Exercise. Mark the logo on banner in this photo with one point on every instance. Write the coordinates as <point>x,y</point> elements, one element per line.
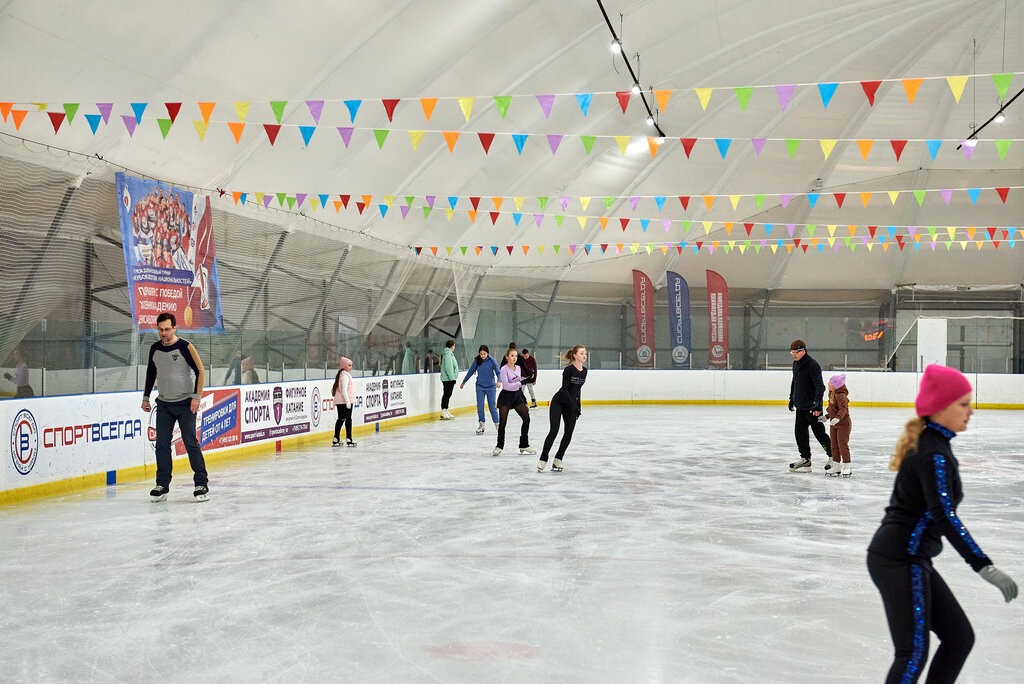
<point>24,441</point>
<point>384,392</point>
<point>717,351</point>
<point>680,354</point>
<point>278,404</point>
<point>315,406</point>
<point>644,354</point>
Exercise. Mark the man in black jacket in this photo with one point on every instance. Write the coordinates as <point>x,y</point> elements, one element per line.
<point>805,398</point>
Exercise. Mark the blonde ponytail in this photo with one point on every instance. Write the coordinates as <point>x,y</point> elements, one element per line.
<point>907,441</point>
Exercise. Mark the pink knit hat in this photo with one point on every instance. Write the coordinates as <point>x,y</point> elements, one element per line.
<point>837,380</point>
<point>940,387</point>
<point>344,362</point>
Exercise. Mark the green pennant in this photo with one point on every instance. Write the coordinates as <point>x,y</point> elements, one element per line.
<point>686,227</point>
<point>949,245</point>
<point>426,213</point>
<point>847,241</point>
<point>556,248</point>
<point>919,194</point>
<point>280,198</point>
<point>462,248</point>
<point>759,200</point>
<point>932,230</point>
<point>791,145</point>
<point>70,109</point>
<point>726,248</point>
<point>543,202</point>
<point>502,102</point>
<point>381,134</point>
<point>743,95</point>
<point>757,248</point>
<point>1002,82</point>
<point>409,199</point>
<point>810,229</point>
<point>1003,146</point>
<point>588,142</point>
<point>291,202</point>
<point>746,243</point>
<point>608,201</point>
<point>558,220</point>
<point>165,125</point>
<point>278,108</point>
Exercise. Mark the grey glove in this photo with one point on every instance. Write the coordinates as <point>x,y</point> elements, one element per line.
<point>823,418</point>
<point>1001,580</point>
<point>834,421</point>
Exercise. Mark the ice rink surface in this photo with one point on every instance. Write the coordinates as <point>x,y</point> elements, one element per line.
<point>675,547</point>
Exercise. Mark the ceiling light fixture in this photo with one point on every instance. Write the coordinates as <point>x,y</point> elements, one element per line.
<point>616,46</point>
<point>998,117</point>
<point>636,89</point>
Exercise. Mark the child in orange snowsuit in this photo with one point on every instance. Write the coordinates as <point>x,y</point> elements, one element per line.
<point>839,426</point>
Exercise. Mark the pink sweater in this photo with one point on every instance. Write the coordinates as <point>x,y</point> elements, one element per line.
<point>346,393</point>
<point>511,380</point>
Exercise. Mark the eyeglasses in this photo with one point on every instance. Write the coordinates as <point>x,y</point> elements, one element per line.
<point>797,351</point>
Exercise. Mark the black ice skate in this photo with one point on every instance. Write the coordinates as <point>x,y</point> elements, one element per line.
<point>802,465</point>
<point>201,493</point>
<point>158,493</point>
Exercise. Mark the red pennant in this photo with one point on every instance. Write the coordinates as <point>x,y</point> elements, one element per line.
<point>475,201</point>
<point>486,139</point>
<point>272,131</point>
<point>623,96</point>
<point>1003,192</point>
<point>840,196</point>
<point>899,239</point>
<point>685,201</point>
<point>172,109</point>
<point>796,241</point>
<point>991,233</point>
<point>870,88</point>
<point>418,250</point>
<point>897,147</point>
<point>56,118</point>
<point>624,222</point>
<point>360,206</point>
<point>688,144</point>
<point>872,229</point>
<point>494,217</point>
<point>389,107</point>
<point>344,200</point>
<point>748,226</point>
<point>603,248</point>
<point>700,244</point>
<point>804,247</point>
<point>509,248</point>
<point>679,248</point>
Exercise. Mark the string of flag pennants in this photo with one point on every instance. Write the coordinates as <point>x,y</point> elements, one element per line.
<point>319,201</point>
<point>990,236</point>
<point>783,92</point>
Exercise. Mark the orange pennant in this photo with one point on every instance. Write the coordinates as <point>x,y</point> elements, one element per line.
<point>428,104</point>
<point>236,129</point>
<point>709,200</point>
<point>911,85</point>
<point>451,137</point>
<point>865,147</point>
<point>662,97</point>
<point>18,115</point>
<point>206,108</point>
<point>5,109</point>
<point>865,197</point>
<point>497,202</point>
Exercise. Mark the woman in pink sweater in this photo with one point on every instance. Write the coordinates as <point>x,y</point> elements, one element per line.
<point>511,398</point>
<point>344,392</point>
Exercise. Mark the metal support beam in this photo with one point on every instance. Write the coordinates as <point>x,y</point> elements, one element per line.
<point>87,360</point>
<point>328,286</point>
<point>44,250</point>
<point>547,312</point>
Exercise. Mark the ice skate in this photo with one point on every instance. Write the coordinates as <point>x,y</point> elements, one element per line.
<point>801,465</point>
<point>350,443</point>
<point>845,470</point>
<point>496,451</point>
<point>158,493</point>
<point>556,465</point>
<point>480,428</point>
<point>527,451</point>
<point>541,465</point>
<point>832,468</point>
<point>533,404</point>
<point>336,442</point>
<point>447,415</point>
<point>201,493</point>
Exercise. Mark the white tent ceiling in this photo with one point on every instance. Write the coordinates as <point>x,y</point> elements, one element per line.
<point>261,51</point>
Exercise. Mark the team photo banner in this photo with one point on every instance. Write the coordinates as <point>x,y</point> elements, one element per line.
<point>169,255</point>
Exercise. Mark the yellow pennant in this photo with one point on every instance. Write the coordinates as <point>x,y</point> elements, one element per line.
<point>831,242</point>
<point>623,141</point>
<point>466,104</point>
<point>449,250</point>
<point>735,199</point>
<point>664,249</point>
<point>832,231</point>
<point>584,201</point>
<point>893,194</point>
<point>449,212</point>
<point>826,147</point>
<point>951,230</point>
<point>582,220</point>
<point>540,248</point>
<point>259,198</point>
<point>870,245</point>
<point>956,84</point>
<point>415,137</point>
<point>518,202</point>
<point>201,127</point>
<point>963,245</point>
<point>636,246</point>
<point>242,109</point>
<point>707,226</point>
<point>775,248</point>
<point>705,96</point>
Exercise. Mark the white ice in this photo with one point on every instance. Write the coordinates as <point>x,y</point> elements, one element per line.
<point>675,547</point>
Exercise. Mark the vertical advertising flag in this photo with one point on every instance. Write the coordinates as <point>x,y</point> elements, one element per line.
<point>718,321</point>
<point>679,319</point>
<point>169,255</point>
<point>643,302</point>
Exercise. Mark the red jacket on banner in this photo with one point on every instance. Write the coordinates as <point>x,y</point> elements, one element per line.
<point>718,321</point>
<point>643,302</point>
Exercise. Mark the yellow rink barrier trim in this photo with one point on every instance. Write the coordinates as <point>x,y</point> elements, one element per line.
<point>147,471</point>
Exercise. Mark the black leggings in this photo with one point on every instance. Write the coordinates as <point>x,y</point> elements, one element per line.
<point>524,435</point>
<point>804,419</point>
<point>560,410</point>
<point>448,386</point>
<point>344,417</point>
<point>908,590</point>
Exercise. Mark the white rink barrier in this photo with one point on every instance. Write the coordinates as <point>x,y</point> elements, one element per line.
<point>94,439</point>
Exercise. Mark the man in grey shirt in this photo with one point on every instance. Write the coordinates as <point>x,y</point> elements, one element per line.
<point>177,365</point>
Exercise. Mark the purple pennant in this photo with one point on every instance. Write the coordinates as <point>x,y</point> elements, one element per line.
<point>667,223</point>
<point>545,104</point>
<point>129,123</point>
<point>300,197</point>
<point>105,109</point>
<point>405,210</point>
<point>266,200</point>
<point>553,142</point>
<point>758,144</point>
<point>564,201</point>
<point>764,243</point>
<point>785,202</point>
<point>346,134</point>
<point>835,248</point>
<point>315,108</point>
<point>633,201</point>
<point>968,147</point>
<point>790,227</point>
<point>864,239</point>
<point>785,92</point>
<point>430,201</point>
<point>538,218</point>
<point>946,195</point>
<point>911,230</point>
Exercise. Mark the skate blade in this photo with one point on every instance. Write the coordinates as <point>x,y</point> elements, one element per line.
<point>799,470</point>
<point>202,497</point>
<point>162,497</point>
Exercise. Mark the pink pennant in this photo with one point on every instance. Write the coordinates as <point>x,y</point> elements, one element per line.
<point>346,134</point>
<point>554,141</point>
<point>266,200</point>
<point>315,109</point>
<point>667,224</point>
<point>785,93</point>
<point>785,202</point>
<point>105,109</point>
<point>564,201</point>
<point>968,147</point>
<point>430,201</point>
<point>633,201</point>
<point>405,210</point>
<point>911,230</point>
<point>758,144</point>
<point>946,195</point>
<point>538,218</point>
<point>790,227</point>
<point>129,123</point>
<point>545,104</point>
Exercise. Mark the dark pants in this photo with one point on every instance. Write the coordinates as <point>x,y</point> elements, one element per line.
<point>559,410</point>
<point>448,386</point>
<point>167,414</point>
<point>804,419</point>
<point>344,418</point>
<point>524,435</point>
<point>916,602</point>
<point>24,391</point>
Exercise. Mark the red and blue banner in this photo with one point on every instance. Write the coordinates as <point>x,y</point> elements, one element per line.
<point>169,255</point>
<point>679,319</point>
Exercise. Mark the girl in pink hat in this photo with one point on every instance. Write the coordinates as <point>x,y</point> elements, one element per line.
<point>921,511</point>
<point>344,392</point>
<point>838,417</point>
